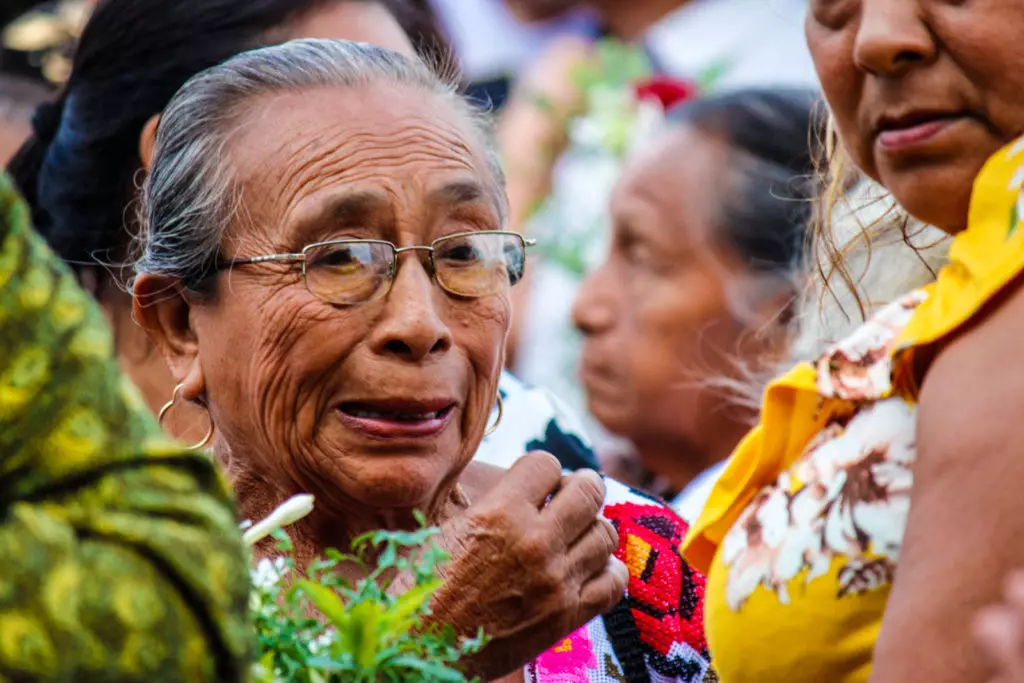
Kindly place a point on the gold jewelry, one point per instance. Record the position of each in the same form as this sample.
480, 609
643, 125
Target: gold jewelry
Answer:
501, 410
167, 406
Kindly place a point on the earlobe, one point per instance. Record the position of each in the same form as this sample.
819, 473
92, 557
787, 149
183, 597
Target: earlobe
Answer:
161, 307
147, 141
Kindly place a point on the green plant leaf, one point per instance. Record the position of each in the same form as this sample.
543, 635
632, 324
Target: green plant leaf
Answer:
324, 599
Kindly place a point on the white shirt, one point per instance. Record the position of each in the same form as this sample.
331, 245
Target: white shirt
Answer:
759, 43
690, 503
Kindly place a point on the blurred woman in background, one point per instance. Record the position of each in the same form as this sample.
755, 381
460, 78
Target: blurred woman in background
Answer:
693, 301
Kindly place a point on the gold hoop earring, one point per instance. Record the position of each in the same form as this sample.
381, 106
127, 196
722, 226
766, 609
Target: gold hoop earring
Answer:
167, 406
501, 410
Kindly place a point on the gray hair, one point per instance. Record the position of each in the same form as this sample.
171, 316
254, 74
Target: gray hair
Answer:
189, 198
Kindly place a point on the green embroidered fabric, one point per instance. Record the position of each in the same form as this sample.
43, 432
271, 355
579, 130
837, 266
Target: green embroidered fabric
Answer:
120, 558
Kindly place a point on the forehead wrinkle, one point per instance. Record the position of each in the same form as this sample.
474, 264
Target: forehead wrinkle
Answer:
371, 155
335, 135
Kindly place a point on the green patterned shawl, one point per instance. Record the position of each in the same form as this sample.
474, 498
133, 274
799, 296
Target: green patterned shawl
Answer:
120, 558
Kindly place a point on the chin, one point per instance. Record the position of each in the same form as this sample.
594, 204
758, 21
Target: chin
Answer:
612, 418
397, 483
940, 196
391, 478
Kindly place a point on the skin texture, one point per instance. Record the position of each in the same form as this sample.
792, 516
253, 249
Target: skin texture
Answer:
364, 22
273, 363
657, 317
880, 58
966, 517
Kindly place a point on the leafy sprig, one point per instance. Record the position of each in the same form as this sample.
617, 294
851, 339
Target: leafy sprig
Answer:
320, 628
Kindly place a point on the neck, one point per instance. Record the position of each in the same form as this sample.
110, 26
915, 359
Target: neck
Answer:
678, 461
333, 525
631, 20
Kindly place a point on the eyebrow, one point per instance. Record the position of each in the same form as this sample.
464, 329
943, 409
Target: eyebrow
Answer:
355, 208
466, 192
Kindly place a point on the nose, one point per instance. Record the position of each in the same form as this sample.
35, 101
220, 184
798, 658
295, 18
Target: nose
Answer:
595, 308
893, 36
411, 327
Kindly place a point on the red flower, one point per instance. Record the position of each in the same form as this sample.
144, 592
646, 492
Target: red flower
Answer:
666, 90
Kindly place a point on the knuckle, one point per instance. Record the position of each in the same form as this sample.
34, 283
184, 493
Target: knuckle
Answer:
534, 547
544, 465
611, 534
592, 487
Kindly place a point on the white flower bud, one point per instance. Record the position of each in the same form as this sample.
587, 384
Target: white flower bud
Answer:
288, 512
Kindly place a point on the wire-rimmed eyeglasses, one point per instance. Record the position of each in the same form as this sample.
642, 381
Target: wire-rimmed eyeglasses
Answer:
345, 272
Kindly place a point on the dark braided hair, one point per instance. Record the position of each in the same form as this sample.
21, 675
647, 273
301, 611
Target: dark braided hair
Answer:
78, 171
772, 135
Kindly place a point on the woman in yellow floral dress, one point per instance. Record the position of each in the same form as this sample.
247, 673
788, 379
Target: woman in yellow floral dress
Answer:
877, 506
121, 560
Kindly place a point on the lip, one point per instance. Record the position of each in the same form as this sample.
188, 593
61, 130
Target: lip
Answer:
385, 427
914, 129
597, 378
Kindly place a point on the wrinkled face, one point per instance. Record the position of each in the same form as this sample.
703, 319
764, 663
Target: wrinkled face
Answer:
923, 92
378, 404
656, 315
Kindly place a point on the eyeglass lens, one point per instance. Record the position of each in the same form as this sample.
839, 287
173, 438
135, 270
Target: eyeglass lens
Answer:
471, 265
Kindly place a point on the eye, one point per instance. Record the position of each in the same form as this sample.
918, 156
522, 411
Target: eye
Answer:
459, 253
833, 14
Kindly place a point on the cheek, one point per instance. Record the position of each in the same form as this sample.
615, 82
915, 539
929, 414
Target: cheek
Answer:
274, 365
832, 53
674, 333
480, 329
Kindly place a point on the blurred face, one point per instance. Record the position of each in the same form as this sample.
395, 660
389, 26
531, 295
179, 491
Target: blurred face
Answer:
655, 315
360, 22
923, 92
376, 404
541, 10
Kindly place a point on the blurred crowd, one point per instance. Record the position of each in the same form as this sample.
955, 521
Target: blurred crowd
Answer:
712, 249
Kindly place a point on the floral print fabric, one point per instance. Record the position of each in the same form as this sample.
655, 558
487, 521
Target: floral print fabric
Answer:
121, 556
848, 496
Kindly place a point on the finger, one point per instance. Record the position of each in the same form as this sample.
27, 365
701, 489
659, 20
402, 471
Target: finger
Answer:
576, 505
605, 590
590, 554
1014, 592
533, 477
998, 630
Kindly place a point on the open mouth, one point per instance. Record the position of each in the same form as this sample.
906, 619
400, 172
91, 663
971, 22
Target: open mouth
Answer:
397, 419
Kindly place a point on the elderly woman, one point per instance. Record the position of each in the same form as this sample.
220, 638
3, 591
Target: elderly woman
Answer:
694, 300
877, 506
79, 171
325, 270
122, 560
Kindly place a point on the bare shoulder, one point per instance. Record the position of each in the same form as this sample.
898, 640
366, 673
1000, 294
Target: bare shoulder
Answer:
972, 396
